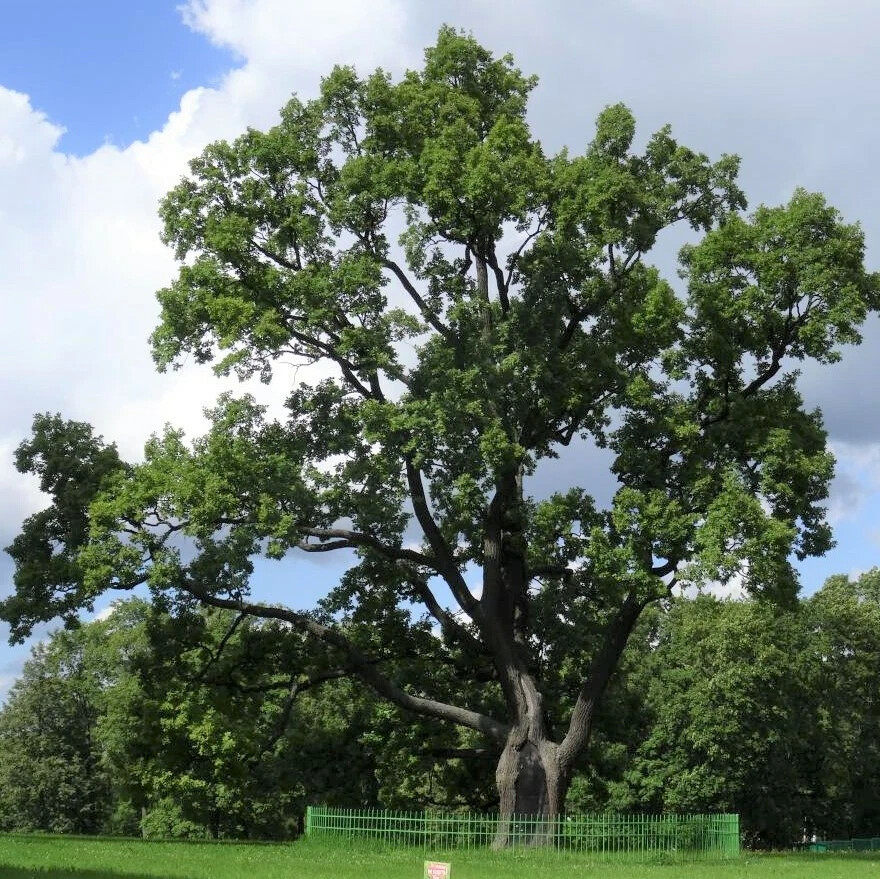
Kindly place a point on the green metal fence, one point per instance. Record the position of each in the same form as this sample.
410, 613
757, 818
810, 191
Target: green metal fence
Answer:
711, 836
864, 844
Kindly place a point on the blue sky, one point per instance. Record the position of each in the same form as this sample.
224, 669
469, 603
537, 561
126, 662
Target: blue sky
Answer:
107, 70
139, 88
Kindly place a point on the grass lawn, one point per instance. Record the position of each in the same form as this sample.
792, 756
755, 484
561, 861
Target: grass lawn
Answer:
77, 858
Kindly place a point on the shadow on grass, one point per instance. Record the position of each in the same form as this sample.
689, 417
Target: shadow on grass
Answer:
140, 840
69, 873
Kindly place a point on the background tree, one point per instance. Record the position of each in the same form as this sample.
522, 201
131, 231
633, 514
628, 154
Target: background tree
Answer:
742, 706
52, 776
147, 723
731, 717
225, 744
519, 314
199, 740
181, 726
843, 621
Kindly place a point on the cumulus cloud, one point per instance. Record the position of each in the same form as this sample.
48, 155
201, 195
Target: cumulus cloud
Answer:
856, 480
106, 613
80, 241
288, 36
789, 85
79, 237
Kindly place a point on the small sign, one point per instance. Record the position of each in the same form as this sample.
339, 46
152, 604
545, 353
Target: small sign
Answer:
437, 870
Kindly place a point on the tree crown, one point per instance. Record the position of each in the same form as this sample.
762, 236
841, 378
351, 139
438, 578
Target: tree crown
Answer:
476, 305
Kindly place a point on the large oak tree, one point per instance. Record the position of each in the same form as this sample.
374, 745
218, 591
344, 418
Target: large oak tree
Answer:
475, 306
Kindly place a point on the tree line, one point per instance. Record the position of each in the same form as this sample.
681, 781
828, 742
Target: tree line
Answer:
177, 724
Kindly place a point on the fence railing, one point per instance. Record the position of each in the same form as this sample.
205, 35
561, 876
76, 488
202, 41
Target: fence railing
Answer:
862, 844
708, 836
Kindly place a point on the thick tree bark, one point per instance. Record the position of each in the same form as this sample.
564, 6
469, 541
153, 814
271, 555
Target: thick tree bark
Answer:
530, 783
530, 779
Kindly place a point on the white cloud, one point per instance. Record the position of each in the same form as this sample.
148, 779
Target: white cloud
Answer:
857, 478
106, 613
733, 589
79, 236
279, 34
787, 84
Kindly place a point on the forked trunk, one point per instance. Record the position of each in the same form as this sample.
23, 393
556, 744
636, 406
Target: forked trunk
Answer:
532, 793
534, 772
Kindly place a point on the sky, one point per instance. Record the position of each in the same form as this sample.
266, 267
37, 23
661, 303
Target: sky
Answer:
102, 103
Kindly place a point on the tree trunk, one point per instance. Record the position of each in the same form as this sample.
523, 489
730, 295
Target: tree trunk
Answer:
531, 785
534, 772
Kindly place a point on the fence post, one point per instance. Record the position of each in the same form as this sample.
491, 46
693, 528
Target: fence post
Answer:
308, 820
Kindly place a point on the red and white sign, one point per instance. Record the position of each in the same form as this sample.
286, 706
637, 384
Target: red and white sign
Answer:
437, 870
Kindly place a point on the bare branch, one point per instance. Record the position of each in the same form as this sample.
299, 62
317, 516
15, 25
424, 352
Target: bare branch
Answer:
598, 676
342, 538
612, 263
577, 315
514, 257
277, 258
665, 569
446, 564
295, 687
500, 282
460, 753
216, 654
777, 352
325, 547
492, 538
560, 571
426, 312
468, 262
326, 349
451, 627
361, 664
347, 367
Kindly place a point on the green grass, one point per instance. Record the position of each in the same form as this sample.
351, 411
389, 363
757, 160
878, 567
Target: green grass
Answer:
48, 857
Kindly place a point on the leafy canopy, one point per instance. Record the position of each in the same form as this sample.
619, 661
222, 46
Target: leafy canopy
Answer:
474, 305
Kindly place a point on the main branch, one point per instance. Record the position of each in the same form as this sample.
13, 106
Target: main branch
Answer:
601, 669
363, 665
446, 564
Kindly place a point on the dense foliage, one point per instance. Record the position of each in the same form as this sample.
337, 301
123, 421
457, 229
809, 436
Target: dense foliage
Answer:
720, 706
